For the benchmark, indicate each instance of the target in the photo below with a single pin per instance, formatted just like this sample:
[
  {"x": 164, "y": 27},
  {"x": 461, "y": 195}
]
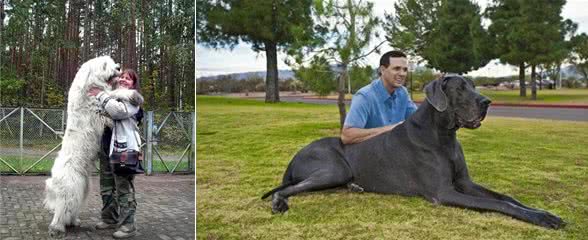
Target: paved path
[
  {"x": 570, "y": 114},
  {"x": 165, "y": 209}
]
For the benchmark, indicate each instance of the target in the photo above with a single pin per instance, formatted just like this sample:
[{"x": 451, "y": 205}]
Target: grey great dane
[{"x": 420, "y": 157}]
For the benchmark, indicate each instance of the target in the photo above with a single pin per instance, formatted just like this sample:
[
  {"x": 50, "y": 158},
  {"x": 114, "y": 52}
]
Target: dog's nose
[
  {"x": 118, "y": 68},
  {"x": 485, "y": 102}
]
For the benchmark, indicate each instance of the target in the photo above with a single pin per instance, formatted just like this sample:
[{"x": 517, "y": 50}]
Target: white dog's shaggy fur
[{"x": 68, "y": 186}]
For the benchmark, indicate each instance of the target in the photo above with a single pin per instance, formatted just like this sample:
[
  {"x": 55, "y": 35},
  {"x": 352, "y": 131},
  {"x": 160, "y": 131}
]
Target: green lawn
[
  {"x": 244, "y": 147},
  {"x": 546, "y": 96},
  {"x": 44, "y": 166}
]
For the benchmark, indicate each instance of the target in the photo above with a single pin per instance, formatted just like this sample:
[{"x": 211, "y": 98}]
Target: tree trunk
[
  {"x": 271, "y": 80},
  {"x": 131, "y": 43},
  {"x": 523, "y": 88},
  {"x": 540, "y": 78},
  {"x": 341, "y": 95},
  {"x": 86, "y": 54},
  {"x": 533, "y": 84},
  {"x": 558, "y": 84},
  {"x": 2, "y": 15}
]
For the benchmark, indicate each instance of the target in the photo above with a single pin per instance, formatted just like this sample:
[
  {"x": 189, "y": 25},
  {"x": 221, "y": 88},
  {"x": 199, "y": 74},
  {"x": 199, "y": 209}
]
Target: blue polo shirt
[{"x": 372, "y": 106}]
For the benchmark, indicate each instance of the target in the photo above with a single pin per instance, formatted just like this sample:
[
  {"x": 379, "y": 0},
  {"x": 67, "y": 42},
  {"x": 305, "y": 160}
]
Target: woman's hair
[{"x": 133, "y": 75}]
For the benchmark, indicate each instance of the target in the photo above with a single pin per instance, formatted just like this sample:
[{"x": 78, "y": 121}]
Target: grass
[
  {"x": 44, "y": 167},
  {"x": 546, "y": 96},
  {"x": 244, "y": 147}
]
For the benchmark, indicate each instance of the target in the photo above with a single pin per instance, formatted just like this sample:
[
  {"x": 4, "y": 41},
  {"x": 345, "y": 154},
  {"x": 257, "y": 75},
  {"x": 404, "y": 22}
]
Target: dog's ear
[{"x": 435, "y": 95}]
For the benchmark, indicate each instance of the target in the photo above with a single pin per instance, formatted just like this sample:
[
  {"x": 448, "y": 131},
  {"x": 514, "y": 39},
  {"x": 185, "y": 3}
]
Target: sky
[{"x": 242, "y": 59}]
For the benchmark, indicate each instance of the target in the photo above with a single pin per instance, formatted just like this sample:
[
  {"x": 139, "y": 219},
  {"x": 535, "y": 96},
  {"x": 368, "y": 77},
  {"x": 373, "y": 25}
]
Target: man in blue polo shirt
[{"x": 381, "y": 105}]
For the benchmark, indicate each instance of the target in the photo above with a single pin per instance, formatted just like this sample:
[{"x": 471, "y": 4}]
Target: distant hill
[{"x": 282, "y": 75}]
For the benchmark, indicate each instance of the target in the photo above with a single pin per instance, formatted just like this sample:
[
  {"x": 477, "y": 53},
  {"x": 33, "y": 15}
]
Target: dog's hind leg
[
  {"x": 57, "y": 226},
  {"x": 78, "y": 201},
  {"x": 318, "y": 180}
]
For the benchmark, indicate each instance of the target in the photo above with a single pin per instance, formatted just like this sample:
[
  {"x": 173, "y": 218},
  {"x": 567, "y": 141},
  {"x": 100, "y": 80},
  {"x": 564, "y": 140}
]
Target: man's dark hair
[{"x": 385, "y": 59}]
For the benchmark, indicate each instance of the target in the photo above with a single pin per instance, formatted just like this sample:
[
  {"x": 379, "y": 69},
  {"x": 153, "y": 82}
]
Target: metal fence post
[
  {"x": 21, "y": 132},
  {"x": 193, "y": 155},
  {"x": 149, "y": 140}
]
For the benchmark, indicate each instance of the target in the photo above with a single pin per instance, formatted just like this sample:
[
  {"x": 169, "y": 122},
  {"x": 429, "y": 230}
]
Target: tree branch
[{"x": 370, "y": 52}]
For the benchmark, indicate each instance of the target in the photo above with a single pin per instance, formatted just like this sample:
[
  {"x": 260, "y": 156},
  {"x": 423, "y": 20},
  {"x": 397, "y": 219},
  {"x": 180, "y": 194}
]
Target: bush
[{"x": 318, "y": 77}]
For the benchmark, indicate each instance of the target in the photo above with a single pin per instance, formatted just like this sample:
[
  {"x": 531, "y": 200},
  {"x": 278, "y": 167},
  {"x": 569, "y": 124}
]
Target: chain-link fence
[{"x": 30, "y": 139}]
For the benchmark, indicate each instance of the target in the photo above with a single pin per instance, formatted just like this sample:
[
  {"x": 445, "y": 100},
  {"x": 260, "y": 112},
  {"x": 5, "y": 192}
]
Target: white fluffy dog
[{"x": 68, "y": 186}]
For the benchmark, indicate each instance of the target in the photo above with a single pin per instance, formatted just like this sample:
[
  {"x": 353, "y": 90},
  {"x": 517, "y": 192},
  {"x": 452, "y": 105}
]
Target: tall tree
[
  {"x": 70, "y": 48},
  {"x": 346, "y": 30},
  {"x": 411, "y": 24},
  {"x": 88, "y": 33},
  {"x": 267, "y": 25},
  {"x": 457, "y": 43},
  {"x": 45, "y": 41},
  {"x": 563, "y": 51},
  {"x": 580, "y": 55},
  {"x": 2, "y": 16},
  {"x": 527, "y": 33},
  {"x": 545, "y": 38},
  {"x": 432, "y": 30}
]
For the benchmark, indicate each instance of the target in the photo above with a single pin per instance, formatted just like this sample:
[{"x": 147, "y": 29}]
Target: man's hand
[{"x": 357, "y": 135}]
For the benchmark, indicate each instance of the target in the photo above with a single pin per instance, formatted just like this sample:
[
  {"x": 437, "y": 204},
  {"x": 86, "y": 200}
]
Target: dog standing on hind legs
[{"x": 67, "y": 189}]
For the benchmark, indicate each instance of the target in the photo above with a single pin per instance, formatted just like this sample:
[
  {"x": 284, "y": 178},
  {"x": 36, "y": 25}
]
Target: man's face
[{"x": 395, "y": 74}]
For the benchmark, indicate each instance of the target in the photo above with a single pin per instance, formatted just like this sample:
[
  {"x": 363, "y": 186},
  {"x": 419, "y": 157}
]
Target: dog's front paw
[
  {"x": 136, "y": 99},
  {"x": 56, "y": 233},
  {"x": 76, "y": 223},
  {"x": 132, "y": 96},
  {"x": 547, "y": 220}
]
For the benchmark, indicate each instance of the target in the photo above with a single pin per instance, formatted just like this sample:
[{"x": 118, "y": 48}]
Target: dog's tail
[{"x": 284, "y": 185}]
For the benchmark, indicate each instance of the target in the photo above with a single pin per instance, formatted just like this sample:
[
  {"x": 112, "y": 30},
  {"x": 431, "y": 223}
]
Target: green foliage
[
  {"x": 447, "y": 34},
  {"x": 529, "y": 32},
  {"x": 352, "y": 27},
  {"x": 39, "y": 47},
  {"x": 580, "y": 60},
  {"x": 318, "y": 77},
  {"x": 267, "y": 25},
  {"x": 345, "y": 30},
  {"x": 54, "y": 96},
  {"x": 224, "y": 23},
  {"x": 408, "y": 29},
  {"x": 456, "y": 42},
  {"x": 11, "y": 91},
  {"x": 360, "y": 76},
  {"x": 420, "y": 78}
]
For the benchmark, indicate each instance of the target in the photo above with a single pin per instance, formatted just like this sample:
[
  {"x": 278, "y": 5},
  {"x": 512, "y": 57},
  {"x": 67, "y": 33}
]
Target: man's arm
[{"x": 351, "y": 135}]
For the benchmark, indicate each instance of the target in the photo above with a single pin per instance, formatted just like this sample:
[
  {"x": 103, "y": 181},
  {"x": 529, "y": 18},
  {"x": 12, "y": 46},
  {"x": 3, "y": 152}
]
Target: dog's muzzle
[{"x": 484, "y": 105}]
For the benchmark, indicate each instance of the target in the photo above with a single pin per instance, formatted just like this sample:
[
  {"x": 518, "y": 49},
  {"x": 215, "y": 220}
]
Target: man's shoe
[
  {"x": 105, "y": 225},
  {"x": 125, "y": 231}
]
